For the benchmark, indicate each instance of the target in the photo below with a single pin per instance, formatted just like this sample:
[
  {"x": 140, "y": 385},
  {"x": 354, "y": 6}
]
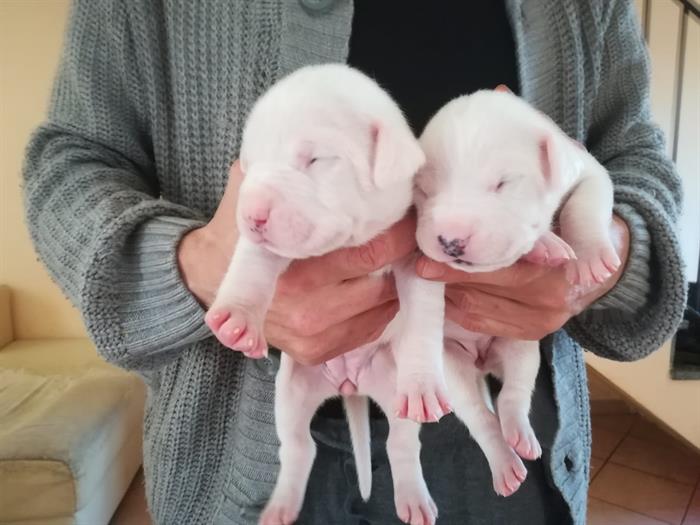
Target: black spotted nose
[{"x": 453, "y": 248}]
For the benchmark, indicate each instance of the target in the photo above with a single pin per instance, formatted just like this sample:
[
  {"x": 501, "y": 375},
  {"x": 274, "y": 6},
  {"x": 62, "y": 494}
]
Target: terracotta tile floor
[{"x": 640, "y": 475}]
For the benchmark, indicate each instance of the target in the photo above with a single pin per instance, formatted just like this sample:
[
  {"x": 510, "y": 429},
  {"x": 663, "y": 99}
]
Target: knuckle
[
  {"x": 466, "y": 302},
  {"x": 554, "y": 300},
  {"x": 472, "y": 324}
]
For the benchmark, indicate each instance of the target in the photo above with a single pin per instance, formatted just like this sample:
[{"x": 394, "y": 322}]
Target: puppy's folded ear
[
  {"x": 559, "y": 160},
  {"x": 397, "y": 155},
  {"x": 503, "y": 89}
]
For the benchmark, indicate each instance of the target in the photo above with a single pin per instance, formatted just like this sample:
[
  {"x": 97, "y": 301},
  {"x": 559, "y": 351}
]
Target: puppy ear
[
  {"x": 396, "y": 156},
  {"x": 503, "y": 89},
  {"x": 559, "y": 161}
]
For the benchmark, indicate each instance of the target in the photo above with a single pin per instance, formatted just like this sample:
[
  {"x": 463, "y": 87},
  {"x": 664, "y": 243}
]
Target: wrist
[{"x": 194, "y": 258}]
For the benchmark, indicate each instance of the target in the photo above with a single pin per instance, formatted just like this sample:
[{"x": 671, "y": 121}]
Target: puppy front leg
[
  {"x": 236, "y": 317},
  {"x": 420, "y": 384},
  {"x": 585, "y": 225},
  {"x": 299, "y": 390},
  {"x": 414, "y": 505}
]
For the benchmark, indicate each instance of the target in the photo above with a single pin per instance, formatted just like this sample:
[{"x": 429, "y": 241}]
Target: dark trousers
[{"x": 455, "y": 470}]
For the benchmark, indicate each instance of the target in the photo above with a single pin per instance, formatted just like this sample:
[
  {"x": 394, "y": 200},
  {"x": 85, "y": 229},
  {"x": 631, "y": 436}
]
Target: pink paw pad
[
  {"x": 236, "y": 329},
  {"x": 278, "y": 515},
  {"x": 421, "y": 399},
  {"x": 509, "y": 475},
  {"x": 524, "y": 443},
  {"x": 415, "y": 506},
  {"x": 550, "y": 249},
  {"x": 594, "y": 266}
]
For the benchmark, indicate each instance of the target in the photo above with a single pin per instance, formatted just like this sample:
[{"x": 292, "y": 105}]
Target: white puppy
[
  {"x": 329, "y": 162},
  {"x": 496, "y": 173}
]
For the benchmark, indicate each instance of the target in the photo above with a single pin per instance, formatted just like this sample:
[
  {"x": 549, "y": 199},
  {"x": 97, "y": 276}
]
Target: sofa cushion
[{"x": 71, "y": 435}]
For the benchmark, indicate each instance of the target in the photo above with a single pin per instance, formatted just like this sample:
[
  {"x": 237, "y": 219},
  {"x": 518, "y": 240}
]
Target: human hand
[
  {"x": 524, "y": 301},
  {"x": 204, "y": 253},
  {"x": 323, "y": 306}
]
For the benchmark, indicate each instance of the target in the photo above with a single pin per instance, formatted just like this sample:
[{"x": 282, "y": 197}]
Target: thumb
[{"x": 225, "y": 214}]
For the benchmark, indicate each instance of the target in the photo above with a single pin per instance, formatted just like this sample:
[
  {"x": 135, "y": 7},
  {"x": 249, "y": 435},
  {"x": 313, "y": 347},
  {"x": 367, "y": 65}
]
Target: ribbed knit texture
[{"x": 146, "y": 116}]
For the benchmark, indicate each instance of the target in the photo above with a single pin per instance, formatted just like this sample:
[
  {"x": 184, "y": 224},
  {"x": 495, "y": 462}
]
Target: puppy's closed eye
[
  {"x": 503, "y": 183},
  {"x": 499, "y": 186},
  {"x": 320, "y": 160}
]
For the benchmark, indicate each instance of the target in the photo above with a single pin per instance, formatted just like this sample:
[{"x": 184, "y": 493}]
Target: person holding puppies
[{"x": 130, "y": 187}]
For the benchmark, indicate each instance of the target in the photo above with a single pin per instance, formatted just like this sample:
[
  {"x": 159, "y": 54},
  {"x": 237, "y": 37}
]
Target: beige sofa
[{"x": 70, "y": 430}]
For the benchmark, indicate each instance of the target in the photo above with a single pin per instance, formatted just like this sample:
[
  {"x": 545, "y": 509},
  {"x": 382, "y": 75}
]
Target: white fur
[
  {"x": 469, "y": 220},
  {"x": 329, "y": 162}
]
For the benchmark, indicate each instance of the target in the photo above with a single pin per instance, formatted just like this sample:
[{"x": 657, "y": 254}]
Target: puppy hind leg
[
  {"x": 519, "y": 363},
  {"x": 414, "y": 505},
  {"x": 299, "y": 392},
  {"x": 472, "y": 405}
]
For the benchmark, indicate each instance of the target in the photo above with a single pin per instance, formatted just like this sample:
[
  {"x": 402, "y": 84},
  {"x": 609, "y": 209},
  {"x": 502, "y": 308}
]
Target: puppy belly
[
  {"x": 474, "y": 344},
  {"x": 343, "y": 371}
]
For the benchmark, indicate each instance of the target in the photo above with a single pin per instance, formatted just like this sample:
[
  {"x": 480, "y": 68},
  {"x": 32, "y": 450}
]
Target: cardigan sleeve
[
  {"x": 92, "y": 199},
  {"x": 645, "y": 307}
]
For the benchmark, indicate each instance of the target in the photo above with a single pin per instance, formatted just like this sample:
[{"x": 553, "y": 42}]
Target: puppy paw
[
  {"x": 421, "y": 397},
  {"x": 508, "y": 473},
  {"x": 595, "y": 264},
  {"x": 238, "y": 329},
  {"x": 280, "y": 512},
  {"x": 550, "y": 249},
  {"x": 519, "y": 434},
  {"x": 414, "y": 505}
]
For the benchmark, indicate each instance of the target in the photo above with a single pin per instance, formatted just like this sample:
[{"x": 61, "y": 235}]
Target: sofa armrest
[{"x": 5, "y": 316}]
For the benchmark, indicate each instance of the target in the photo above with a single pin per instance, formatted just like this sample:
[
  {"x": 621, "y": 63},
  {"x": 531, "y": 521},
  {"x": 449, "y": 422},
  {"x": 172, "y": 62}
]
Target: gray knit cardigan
[{"x": 146, "y": 117}]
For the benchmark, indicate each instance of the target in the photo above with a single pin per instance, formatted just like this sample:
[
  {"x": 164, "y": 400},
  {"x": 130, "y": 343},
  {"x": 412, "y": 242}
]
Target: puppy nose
[
  {"x": 257, "y": 217},
  {"x": 453, "y": 247}
]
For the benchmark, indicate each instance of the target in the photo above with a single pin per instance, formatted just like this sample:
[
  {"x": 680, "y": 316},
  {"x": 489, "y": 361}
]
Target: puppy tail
[{"x": 357, "y": 411}]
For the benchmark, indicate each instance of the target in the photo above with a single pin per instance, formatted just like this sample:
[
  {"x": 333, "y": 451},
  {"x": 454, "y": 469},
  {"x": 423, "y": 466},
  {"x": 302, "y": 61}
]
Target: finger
[
  {"x": 518, "y": 274},
  {"x": 475, "y": 302},
  {"x": 347, "y": 263},
  {"x": 530, "y": 326},
  {"x": 483, "y": 325},
  {"x": 235, "y": 177},
  {"x": 364, "y": 328},
  {"x": 225, "y": 215},
  {"x": 551, "y": 291},
  {"x": 319, "y": 309},
  {"x": 338, "y": 339}
]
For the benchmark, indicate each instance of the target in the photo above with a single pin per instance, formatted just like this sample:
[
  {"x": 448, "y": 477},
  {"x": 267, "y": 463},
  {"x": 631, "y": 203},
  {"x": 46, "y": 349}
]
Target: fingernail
[{"x": 431, "y": 270}]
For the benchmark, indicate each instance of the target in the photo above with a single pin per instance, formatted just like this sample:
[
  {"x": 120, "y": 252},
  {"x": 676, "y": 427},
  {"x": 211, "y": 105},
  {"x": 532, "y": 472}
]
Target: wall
[
  {"x": 674, "y": 45},
  {"x": 31, "y": 33},
  {"x": 676, "y": 106}
]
